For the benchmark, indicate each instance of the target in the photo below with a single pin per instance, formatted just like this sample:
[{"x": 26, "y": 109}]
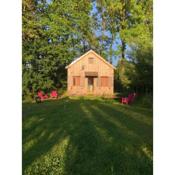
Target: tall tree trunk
[
  {"x": 84, "y": 46},
  {"x": 103, "y": 30},
  {"x": 123, "y": 27},
  {"x": 123, "y": 49},
  {"x": 111, "y": 51}
]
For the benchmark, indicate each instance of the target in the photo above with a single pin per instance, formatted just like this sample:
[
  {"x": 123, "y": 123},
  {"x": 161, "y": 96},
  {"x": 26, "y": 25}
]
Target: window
[
  {"x": 91, "y": 60},
  {"x": 82, "y": 67},
  {"x": 104, "y": 81},
  {"x": 76, "y": 81}
]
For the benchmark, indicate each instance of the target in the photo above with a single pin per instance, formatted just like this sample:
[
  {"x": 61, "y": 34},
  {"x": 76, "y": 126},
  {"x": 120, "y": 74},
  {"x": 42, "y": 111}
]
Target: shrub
[{"x": 145, "y": 101}]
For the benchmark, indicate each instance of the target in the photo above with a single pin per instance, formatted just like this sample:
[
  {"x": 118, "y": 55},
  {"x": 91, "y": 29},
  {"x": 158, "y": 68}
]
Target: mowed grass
[{"x": 86, "y": 136}]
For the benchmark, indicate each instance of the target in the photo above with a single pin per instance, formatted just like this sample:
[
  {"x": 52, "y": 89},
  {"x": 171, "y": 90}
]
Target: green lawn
[{"x": 87, "y": 137}]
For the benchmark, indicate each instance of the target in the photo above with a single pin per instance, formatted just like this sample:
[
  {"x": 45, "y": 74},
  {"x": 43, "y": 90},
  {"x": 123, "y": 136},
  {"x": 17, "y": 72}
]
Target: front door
[{"x": 90, "y": 84}]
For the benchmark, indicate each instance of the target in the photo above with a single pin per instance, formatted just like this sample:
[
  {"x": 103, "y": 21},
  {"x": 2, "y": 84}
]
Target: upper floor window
[
  {"x": 82, "y": 67},
  {"x": 91, "y": 60}
]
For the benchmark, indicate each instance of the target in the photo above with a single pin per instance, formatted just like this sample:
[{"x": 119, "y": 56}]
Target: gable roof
[{"x": 90, "y": 51}]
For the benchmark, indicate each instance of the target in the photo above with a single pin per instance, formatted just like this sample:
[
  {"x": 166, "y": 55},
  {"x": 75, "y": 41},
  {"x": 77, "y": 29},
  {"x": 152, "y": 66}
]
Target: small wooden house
[{"x": 90, "y": 74}]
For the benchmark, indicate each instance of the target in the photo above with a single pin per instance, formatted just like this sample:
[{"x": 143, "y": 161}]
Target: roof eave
[{"x": 86, "y": 54}]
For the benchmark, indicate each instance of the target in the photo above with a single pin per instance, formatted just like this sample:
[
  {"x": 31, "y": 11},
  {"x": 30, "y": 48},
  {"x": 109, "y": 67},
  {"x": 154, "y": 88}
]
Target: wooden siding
[{"x": 79, "y": 68}]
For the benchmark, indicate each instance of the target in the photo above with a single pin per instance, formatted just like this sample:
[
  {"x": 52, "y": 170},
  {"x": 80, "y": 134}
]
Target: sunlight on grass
[
  {"x": 135, "y": 115},
  {"x": 100, "y": 129},
  {"x": 29, "y": 145},
  {"x": 50, "y": 163},
  {"x": 31, "y": 121},
  {"x": 86, "y": 136},
  {"x": 113, "y": 119},
  {"x": 147, "y": 152}
]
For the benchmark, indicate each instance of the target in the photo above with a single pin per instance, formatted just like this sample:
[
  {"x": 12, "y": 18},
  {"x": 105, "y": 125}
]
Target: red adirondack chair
[
  {"x": 42, "y": 96},
  {"x": 133, "y": 96},
  {"x": 53, "y": 94},
  {"x": 124, "y": 100},
  {"x": 46, "y": 96},
  {"x": 129, "y": 99}
]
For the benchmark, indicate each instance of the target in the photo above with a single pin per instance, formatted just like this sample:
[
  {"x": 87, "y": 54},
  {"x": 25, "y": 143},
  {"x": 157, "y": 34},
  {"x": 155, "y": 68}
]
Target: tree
[
  {"x": 59, "y": 33},
  {"x": 134, "y": 26}
]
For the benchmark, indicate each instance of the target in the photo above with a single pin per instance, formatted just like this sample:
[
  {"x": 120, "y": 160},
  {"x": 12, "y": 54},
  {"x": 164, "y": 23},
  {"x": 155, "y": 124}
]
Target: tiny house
[{"x": 90, "y": 74}]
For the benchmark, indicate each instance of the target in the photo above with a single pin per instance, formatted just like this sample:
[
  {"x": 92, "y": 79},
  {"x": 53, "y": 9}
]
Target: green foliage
[
  {"x": 53, "y": 34},
  {"x": 87, "y": 136},
  {"x": 129, "y": 22},
  {"x": 145, "y": 100},
  {"x": 126, "y": 73}
]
